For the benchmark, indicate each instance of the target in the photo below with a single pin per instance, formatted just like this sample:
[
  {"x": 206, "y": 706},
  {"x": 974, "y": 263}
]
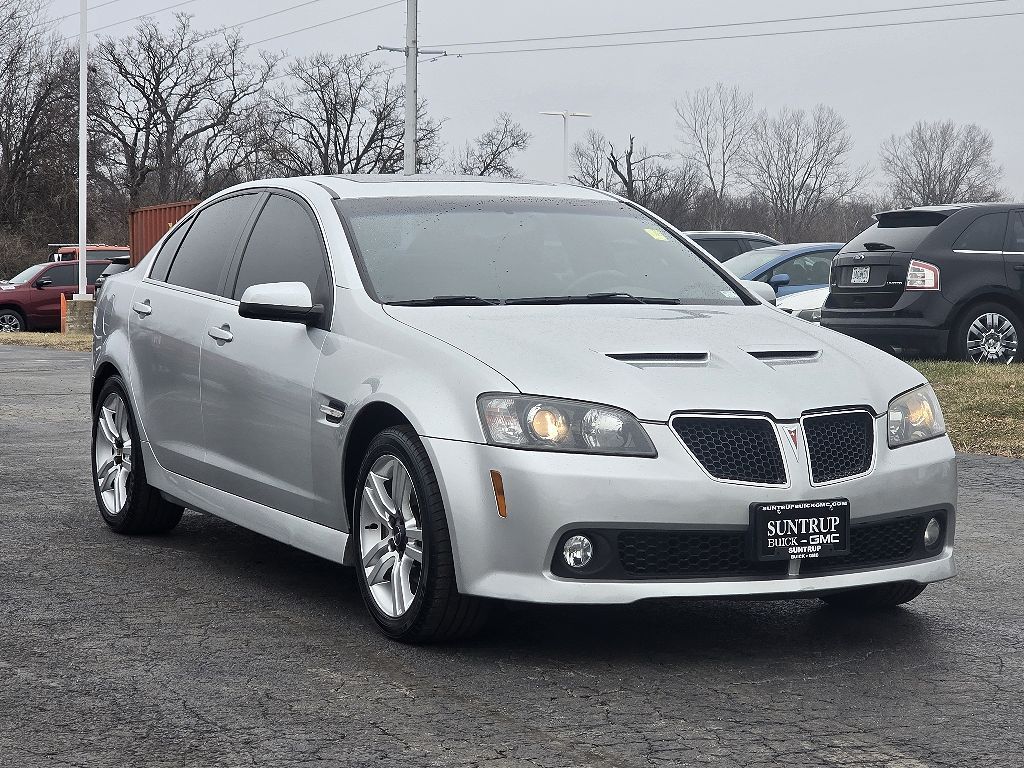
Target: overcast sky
[{"x": 881, "y": 80}]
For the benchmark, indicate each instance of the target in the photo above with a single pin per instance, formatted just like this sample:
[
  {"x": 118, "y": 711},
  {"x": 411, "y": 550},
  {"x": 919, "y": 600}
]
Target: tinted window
[
  {"x": 900, "y": 231},
  {"x": 63, "y": 276},
  {"x": 753, "y": 261},
  {"x": 285, "y": 246},
  {"x": 806, "y": 269},
  {"x": 92, "y": 271},
  {"x": 524, "y": 248},
  {"x": 167, "y": 251},
  {"x": 760, "y": 243},
  {"x": 1015, "y": 233},
  {"x": 722, "y": 249},
  {"x": 984, "y": 234},
  {"x": 210, "y": 243}
]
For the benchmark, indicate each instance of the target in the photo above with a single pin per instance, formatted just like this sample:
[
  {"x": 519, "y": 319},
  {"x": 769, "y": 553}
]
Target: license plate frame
[
  {"x": 860, "y": 275},
  {"x": 795, "y": 540}
]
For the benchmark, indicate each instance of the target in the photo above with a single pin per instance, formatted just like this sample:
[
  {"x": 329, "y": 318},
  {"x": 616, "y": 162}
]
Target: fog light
[
  {"x": 932, "y": 532},
  {"x": 577, "y": 551}
]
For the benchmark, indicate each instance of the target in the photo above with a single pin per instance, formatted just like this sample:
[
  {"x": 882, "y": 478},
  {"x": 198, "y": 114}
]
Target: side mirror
[
  {"x": 778, "y": 281},
  {"x": 761, "y": 290},
  {"x": 283, "y": 302},
  {"x": 43, "y": 282}
]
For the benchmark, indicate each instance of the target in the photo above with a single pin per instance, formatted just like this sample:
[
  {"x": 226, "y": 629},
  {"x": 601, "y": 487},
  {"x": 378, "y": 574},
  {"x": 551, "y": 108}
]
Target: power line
[
  {"x": 748, "y": 35},
  {"x": 275, "y": 13},
  {"x": 134, "y": 18},
  {"x": 91, "y": 8},
  {"x": 328, "y": 21},
  {"x": 722, "y": 25}
]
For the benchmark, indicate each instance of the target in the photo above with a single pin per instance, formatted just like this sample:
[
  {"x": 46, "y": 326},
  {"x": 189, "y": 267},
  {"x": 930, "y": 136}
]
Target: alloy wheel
[
  {"x": 9, "y": 323},
  {"x": 390, "y": 536},
  {"x": 991, "y": 338},
  {"x": 113, "y": 453}
]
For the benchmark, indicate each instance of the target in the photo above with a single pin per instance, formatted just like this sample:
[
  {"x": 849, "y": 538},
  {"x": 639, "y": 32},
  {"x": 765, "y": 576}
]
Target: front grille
[
  {"x": 740, "y": 449},
  {"x": 839, "y": 445}
]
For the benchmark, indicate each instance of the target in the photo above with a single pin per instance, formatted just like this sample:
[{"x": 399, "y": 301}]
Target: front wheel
[
  {"x": 878, "y": 597},
  {"x": 11, "y": 321},
  {"x": 127, "y": 502},
  {"x": 987, "y": 333},
  {"x": 406, "y": 568}
]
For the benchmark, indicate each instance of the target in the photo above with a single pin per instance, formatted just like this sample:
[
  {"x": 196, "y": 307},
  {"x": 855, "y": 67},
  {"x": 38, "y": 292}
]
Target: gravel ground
[{"x": 216, "y": 646}]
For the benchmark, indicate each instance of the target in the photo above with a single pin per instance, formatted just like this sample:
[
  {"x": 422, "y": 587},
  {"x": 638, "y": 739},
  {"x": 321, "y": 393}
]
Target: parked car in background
[
  {"x": 787, "y": 268},
  {"x": 117, "y": 265},
  {"x": 471, "y": 389},
  {"x": 941, "y": 281},
  {"x": 30, "y": 301},
  {"x": 727, "y": 245},
  {"x": 805, "y": 304}
]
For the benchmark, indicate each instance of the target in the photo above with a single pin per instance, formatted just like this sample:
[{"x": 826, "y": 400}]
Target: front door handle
[
  {"x": 143, "y": 308},
  {"x": 1019, "y": 267},
  {"x": 222, "y": 333}
]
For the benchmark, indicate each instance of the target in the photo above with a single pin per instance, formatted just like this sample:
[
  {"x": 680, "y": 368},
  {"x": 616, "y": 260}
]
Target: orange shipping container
[{"x": 147, "y": 225}]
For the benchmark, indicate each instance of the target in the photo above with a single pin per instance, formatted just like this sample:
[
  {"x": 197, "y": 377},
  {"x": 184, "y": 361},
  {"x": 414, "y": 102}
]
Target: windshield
[
  {"x": 498, "y": 249},
  {"x": 752, "y": 261},
  {"x": 26, "y": 275}
]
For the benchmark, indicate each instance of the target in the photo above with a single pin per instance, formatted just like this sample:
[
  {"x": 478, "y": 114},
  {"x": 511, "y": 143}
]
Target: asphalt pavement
[{"x": 214, "y": 646}]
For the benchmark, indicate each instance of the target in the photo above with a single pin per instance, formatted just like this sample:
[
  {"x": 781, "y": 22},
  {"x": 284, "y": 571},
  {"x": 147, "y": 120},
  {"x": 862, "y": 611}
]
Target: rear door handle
[
  {"x": 142, "y": 308},
  {"x": 1019, "y": 267},
  {"x": 221, "y": 334}
]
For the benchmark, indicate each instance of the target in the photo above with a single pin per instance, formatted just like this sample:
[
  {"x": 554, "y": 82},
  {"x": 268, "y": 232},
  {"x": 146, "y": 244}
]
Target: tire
[
  {"x": 879, "y": 597},
  {"x": 127, "y": 502},
  {"x": 409, "y": 590},
  {"x": 12, "y": 321},
  {"x": 987, "y": 321}
]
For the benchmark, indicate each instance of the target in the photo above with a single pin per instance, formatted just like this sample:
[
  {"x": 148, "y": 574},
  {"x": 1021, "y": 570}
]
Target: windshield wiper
[
  {"x": 444, "y": 301},
  {"x": 879, "y": 247},
  {"x": 609, "y": 297}
]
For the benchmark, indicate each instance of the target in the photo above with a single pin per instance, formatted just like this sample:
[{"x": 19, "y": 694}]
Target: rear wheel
[
  {"x": 11, "y": 321},
  {"x": 127, "y": 502},
  {"x": 987, "y": 333},
  {"x": 406, "y": 568},
  {"x": 878, "y": 597}
]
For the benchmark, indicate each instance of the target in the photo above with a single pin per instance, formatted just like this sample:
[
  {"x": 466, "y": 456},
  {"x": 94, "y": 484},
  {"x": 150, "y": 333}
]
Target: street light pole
[
  {"x": 83, "y": 146},
  {"x": 565, "y": 115}
]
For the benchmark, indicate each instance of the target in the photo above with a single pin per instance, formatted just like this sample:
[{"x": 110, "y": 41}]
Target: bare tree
[
  {"x": 590, "y": 160},
  {"x": 797, "y": 165},
  {"x": 344, "y": 114},
  {"x": 941, "y": 162},
  {"x": 716, "y": 126},
  {"x": 169, "y": 106},
  {"x": 491, "y": 153},
  {"x": 648, "y": 178}
]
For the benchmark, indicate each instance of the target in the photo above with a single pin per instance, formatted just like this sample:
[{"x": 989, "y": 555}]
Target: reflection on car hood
[
  {"x": 654, "y": 360},
  {"x": 801, "y": 300}
]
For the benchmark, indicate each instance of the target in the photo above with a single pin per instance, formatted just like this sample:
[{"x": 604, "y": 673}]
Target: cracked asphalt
[{"x": 214, "y": 646}]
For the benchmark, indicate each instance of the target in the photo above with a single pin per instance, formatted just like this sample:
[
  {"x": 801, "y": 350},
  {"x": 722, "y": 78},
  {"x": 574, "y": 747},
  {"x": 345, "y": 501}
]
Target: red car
[{"x": 31, "y": 300}]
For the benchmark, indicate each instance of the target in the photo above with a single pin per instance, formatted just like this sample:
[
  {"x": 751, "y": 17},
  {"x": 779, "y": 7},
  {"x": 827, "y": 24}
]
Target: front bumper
[{"x": 548, "y": 494}]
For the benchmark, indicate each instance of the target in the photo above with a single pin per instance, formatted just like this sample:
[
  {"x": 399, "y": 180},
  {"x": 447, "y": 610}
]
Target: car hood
[{"x": 655, "y": 360}]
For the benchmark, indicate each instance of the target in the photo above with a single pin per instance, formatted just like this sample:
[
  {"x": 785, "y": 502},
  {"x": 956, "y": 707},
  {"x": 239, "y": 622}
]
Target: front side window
[
  {"x": 285, "y": 246},
  {"x": 210, "y": 244},
  {"x": 806, "y": 269},
  {"x": 63, "y": 276},
  {"x": 507, "y": 249},
  {"x": 168, "y": 251},
  {"x": 984, "y": 234}
]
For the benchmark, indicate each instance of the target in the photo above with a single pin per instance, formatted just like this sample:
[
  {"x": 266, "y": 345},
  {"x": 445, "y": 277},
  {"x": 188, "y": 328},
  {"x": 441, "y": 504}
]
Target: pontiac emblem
[{"x": 792, "y": 432}]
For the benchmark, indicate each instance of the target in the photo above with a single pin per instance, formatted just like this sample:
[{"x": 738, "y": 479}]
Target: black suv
[{"x": 941, "y": 281}]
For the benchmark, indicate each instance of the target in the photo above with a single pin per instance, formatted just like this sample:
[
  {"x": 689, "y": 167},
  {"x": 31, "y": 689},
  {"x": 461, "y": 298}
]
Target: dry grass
[
  {"x": 983, "y": 405},
  {"x": 73, "y": 342}
]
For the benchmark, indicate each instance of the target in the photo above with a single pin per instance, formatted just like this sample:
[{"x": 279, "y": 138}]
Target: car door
[
  {"x": 257, "y": 375},
  {"x": 1014, "y": 253},
  {"x": 167, "y": 325},
  {"x": 52, "y": 283}
]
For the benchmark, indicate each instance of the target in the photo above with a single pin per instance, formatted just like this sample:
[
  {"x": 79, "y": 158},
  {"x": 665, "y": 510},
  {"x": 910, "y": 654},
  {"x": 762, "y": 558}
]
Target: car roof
[{"x": 951, "y": 208}]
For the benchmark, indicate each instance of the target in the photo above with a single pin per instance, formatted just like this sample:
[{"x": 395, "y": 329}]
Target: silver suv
[{"x": 473, "y": 390}]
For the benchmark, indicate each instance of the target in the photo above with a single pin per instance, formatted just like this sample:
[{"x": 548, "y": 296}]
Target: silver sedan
[{"x": 473, "y": 390}]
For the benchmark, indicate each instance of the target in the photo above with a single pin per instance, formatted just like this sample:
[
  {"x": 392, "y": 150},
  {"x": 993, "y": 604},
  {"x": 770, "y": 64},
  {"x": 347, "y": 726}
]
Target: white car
[{"x": 806, "y": 304}]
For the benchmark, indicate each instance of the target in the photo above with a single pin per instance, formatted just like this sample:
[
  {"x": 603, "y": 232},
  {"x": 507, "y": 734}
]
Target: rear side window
[
  {"x": 985, "y": 234},
  {"x": 285, "y": 247},
  {"x": 167, "y": 251},
  {"x": 898, "y": 231},
  {"x": 92, "y": 271},
  {"x": 1015, "y": 233},
  {"x": 722, "y": 249},
  {"x": 210, "y": 244}
]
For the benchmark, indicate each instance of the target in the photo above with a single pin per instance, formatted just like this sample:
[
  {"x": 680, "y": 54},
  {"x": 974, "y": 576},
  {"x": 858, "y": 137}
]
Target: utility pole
[
  {"x": 412, "y": 52},
  {"x": 565, "y": 137},
  {"x": 83, "y": 147}
]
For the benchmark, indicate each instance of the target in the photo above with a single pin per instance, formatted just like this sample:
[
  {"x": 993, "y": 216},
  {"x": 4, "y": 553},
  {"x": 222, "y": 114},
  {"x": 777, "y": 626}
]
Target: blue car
[{"x": 787, "y": 268}]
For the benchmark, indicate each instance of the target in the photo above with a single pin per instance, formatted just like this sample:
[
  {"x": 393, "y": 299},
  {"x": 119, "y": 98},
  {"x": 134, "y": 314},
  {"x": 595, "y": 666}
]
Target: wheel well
[
  {"x": 104, "y": 372},
  {"x": 368, "y": 423},
  {"x": 995, "y": 298}
]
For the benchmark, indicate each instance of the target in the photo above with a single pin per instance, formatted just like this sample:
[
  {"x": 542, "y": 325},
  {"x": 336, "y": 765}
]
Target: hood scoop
[
  {"x": 662, "y": 359},
  {"x": 782, "y": 356}
]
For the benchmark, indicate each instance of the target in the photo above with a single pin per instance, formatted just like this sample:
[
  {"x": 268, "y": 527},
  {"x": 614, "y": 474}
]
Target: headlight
[
  {"x": 550, "y": 424},
  {"x": 915, "y": 416},
  {"x": 810, "y": 315}
]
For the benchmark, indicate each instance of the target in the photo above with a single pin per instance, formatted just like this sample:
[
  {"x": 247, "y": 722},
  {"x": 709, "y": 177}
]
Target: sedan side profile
[{"x": 473, "y": 390}]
